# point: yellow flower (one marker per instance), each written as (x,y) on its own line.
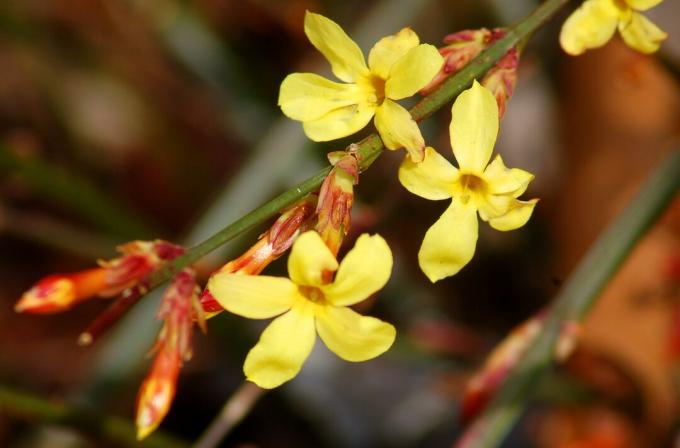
(397,68)
(596,21)
(308,303)
(475,187)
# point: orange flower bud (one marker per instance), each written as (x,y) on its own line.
(501,79)
(179,310)
(60,292)
(157,392)
(461,48)
(271,245)
(335,202)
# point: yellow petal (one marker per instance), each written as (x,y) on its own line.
(354,337)
(430,179)
(641,33)
(450,243)
(345,56)
(518,215)
(413,71)
(398,129)
(642,5)
(503,180)
(282,349)
(388,49)
(340,122)
(590,26)
(364,270)
(492,206)
(306,96)
(309,258)
(474,127)
(253,296)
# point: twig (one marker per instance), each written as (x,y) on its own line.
(574,300)
(233,411)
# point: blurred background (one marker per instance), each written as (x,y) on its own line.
(131,119)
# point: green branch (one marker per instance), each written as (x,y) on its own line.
(371,147)
(580,292)
(111,429)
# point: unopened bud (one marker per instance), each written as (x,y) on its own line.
(157,392)
(335,202)
(461,48)
(502,78)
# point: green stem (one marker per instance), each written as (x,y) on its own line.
(113,429)
(572,303)
(371,147)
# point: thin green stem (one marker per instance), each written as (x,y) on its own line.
(236,407)
(112,429)
(370,148)
(572,303)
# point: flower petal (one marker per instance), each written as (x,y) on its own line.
(641,33)
(450,243)
(388,49)
(253,296)
(307,96)
(430,179)
(590,26)
(503,180)
(413,71)
(354,337)
(474,127)
(345,56)
(642,5)
(339,122)
(518,215)
(398,129)
(282,349)
(308,258)
(364,270)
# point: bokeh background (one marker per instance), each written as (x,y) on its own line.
(133,119)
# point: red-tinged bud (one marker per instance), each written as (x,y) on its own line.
(335,202)
(179,310)
(157,392)
(271,245)
(502,78)
(60,292)
(461,48)
(484,384)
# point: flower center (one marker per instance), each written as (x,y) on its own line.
(313,294)
(378,86)
(470,185)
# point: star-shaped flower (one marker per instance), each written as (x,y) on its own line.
(398,67)
(596,21)
(310,302)
(475,187)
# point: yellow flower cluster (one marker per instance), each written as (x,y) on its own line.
(594,23)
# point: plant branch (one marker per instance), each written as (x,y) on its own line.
(233,411)
(572,303)
(113,429)
(371,147)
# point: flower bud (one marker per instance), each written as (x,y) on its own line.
(502,78)
(60,292)
(179,310)
(271,245)
(461,48)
